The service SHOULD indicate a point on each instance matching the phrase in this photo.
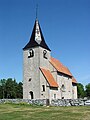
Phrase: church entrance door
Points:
(31, 94)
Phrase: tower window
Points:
(43, 87)
(29, 79)
(30, 53)
(45, 54)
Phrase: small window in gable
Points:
(45, 54)
(30, 53)
(43, 88)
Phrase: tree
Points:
(2, 88)
(80, 90)
(10, 89)
(1, 94)
(20, 90)
(87, 90)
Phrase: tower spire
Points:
(36, 38)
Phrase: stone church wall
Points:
(31, 71)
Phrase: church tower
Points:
(36, 55)
(45, 77)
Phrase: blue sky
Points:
(66, 28)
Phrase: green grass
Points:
(27, 112)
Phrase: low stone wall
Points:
(22, 101)
(68, 102)
(59, 102)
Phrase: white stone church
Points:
(45, 77)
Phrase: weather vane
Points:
(36, 11)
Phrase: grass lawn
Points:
(27, 112)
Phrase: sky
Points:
(66, 28)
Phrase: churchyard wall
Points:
(57, 102)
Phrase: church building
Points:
(45, 77)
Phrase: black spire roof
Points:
(36, 39)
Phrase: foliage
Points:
(10, 89)
(80, 90)
(87, 91)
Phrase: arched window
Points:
(45, 54)
(63, 88)
(43, 87)
(54, 96)
(30, 53)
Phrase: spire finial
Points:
(36, 11)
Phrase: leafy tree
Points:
(2, 88)
(1, 95)
(87, 90)
(80, 90)
(10, 89)
(20, 90)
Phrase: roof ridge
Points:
(60, 67)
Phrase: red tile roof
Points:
(49, 77)
(59, 66)
(74, 80)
